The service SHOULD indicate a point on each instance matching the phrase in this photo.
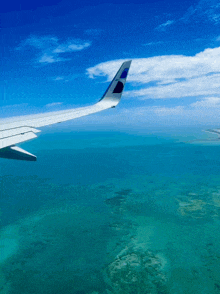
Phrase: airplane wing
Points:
(19, 129)
(212, 139)
(213, 131)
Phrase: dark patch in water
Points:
(124, 192)
(115, 201)
(34, 248)
(119, 199)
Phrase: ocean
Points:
(111, 213)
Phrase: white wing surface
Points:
(19, 129)
(214, 131)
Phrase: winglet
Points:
(116, 87)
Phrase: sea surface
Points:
(111, 213)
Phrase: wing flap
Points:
(15, 152)
(16, 131)
(9, 141)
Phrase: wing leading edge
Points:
(23, 128)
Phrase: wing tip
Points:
(116, 87)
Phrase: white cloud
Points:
(58, 78)
(167, 111)
(146, 116)
(205, 111)
(41, 43)
(70, 47)
(50, 47)
(171, 76)
(210, 102)
(198, 86)
(163, 26)
(54, 104)
(46, 58)
(14, 105)
(153, 43)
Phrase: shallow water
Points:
(130, 215)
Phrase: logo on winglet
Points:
(124, 74)
(119, 88)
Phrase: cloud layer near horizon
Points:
(144, 116)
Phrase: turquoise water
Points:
(111, 213)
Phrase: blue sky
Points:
(63, 55)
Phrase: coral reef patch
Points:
(196, 206)
(135, 271)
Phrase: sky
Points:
(63, 54)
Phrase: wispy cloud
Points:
(205, 111)
(208, 10)
(50, 58)
(169, 76)
(217, 39)
(67, 78)
(153, 43)
(54, 104)
(167, 111)
(59, 78)
(70, 47)
(165, 25)
(210, 102)
(50, 48)
(14, 106)
(145, 116)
